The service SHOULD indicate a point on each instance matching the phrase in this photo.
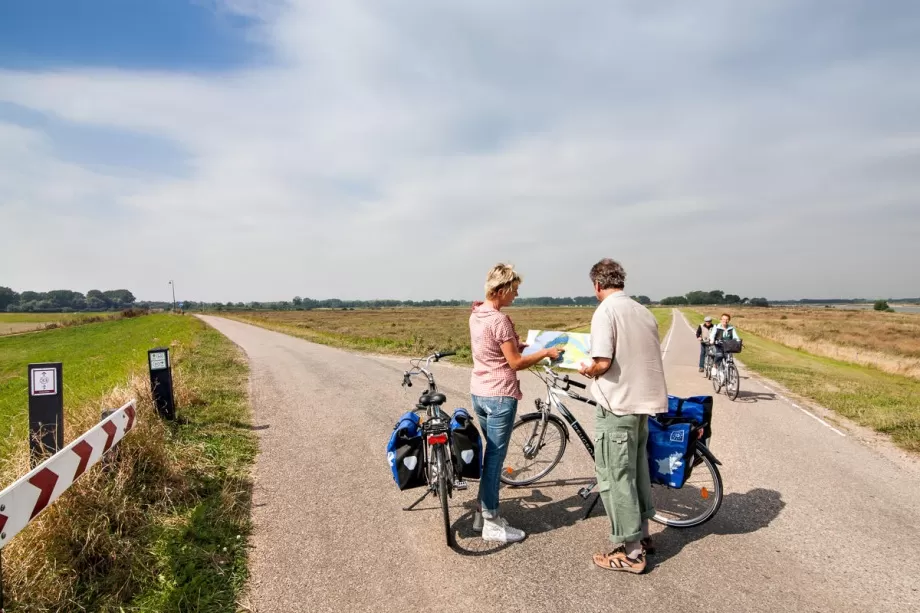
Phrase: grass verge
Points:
(884, 402)
(163, 524)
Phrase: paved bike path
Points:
(330, 535)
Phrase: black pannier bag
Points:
(405, 453)
(466, 445)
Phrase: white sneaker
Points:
(477, 521)
(499, 531)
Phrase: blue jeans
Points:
(496, 417)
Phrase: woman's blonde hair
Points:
(501, 278)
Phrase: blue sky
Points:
(140, 34)
(261, 149)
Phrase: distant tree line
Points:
(713, 297)
(64, 301)
(306, 304)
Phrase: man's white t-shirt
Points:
(626, 332)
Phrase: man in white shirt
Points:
(628, 385)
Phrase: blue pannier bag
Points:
(694, 409)
(405, 452)
(670, 452)
(466, 445)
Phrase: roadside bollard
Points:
(46, 410)
(161, 382)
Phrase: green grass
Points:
(200, 550)
(95, 358)
(167, 530)
(884, 402)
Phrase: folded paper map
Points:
(577, 346)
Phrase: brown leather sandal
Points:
(618, 560)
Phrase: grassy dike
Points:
(163, 526)
(887, 403)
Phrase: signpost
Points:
(161, 382)
(46, 409)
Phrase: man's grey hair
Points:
(608, 274)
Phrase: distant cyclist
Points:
(721, 332)
(703, 332)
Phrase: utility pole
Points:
(174, 294)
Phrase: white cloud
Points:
(397, 152)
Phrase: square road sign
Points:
(44, 382)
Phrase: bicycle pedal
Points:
(585, 492)
(461, 485)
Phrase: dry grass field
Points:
(886, 402)
(413, 331)
(889, 342)
(17, 323)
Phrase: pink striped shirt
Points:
(492, 375)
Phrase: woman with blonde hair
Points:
(496, 390)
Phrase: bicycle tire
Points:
(525, 422)
(733, 375)
(443, 479)
(716, 381)
(710, 511)
(707, 366)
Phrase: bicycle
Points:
(436, 450)
(726, 373)
(708, 362)
(539, 439)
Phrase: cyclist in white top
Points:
(722, 332)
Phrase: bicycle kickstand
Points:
(421, 498)
(591, 508)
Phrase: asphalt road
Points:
(811, 521)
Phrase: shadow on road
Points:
(739, 514)
(535, 510)
(751, 397)
(539, 509)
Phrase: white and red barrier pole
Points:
(25, 499)
(22, 501)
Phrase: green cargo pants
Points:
(621, 464)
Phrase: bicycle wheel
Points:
(732, 382)
(693, 504)
(717, 377)
(534, 449)
(443, 481)
(707, 366)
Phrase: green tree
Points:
(732, 299)
(881, 305)
(674, 300)
(119, 297)
(8, 297)
(759, 302)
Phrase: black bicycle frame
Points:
(573, 423)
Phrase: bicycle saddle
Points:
(427, 400)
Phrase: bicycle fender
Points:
(705, 451)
